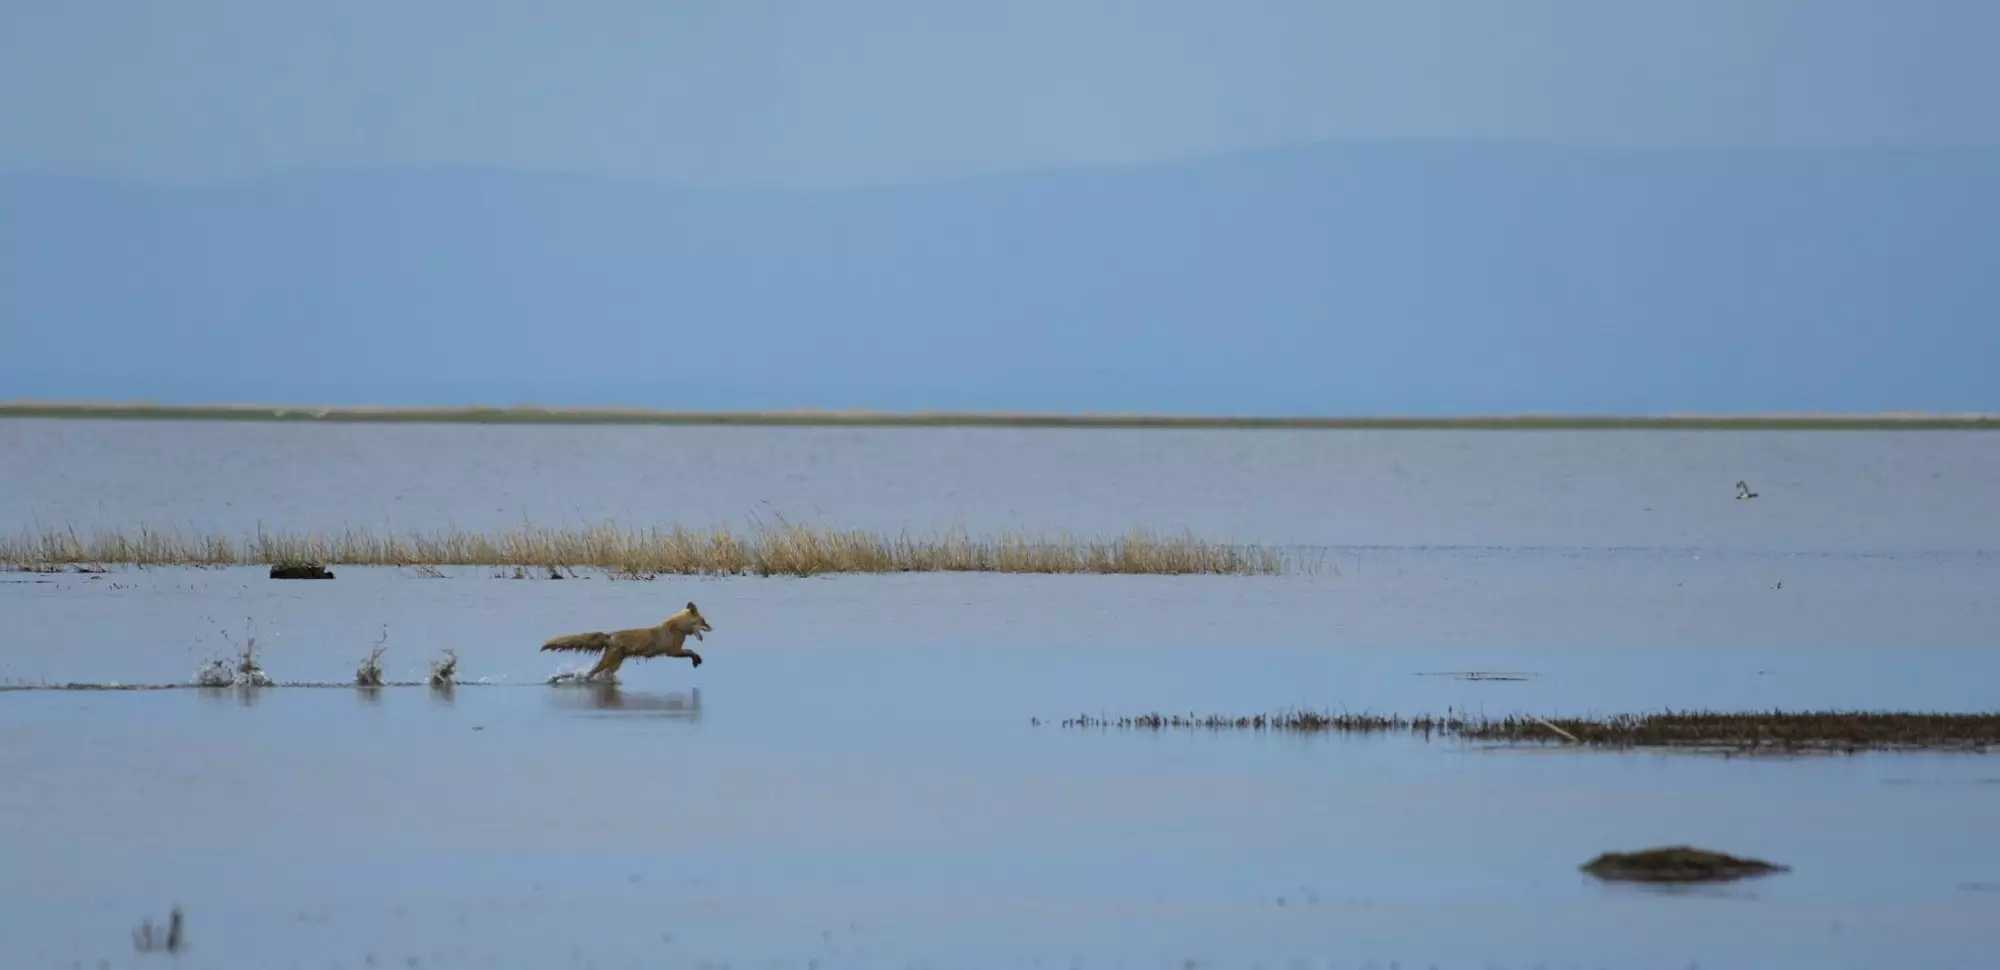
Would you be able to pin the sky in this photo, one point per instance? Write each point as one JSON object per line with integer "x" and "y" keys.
{"x": 756, "y": 93}
{"x": 545, "y": 187}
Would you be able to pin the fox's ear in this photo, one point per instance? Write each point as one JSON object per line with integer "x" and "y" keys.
{"x": 691, "y": 608}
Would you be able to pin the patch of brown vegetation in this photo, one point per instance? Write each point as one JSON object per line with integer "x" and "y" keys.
{"x": 1677, "y": 863}
{"x": 786, "y": 549}
{"x": 300, "y": 570}
{"x": 1771, "y": 731}
{"x": 1767, "y": 730}
{"x": 478, "y": 414}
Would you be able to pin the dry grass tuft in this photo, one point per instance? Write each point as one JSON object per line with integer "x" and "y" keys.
{"x": 783, "y": 550}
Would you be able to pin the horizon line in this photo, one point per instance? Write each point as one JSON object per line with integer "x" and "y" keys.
{"x": 1050, "y": 168}
{"x": 863, "y": 417}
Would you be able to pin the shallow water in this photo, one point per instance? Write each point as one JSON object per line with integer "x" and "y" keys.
{"x": 1820, "y": 491}
{"x": 858, "y": 750}
{"x": 853, "y": 778}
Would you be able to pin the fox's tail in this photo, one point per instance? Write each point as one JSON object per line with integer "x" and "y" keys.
{"x": 580, "y": 643}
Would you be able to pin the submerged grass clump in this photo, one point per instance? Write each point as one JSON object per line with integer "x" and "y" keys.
{"x": 150, "y": 939}
{"x": 1779, "y": 731}
{"x": 784, "y": 550}
{"x": 1303, "y": 722}
{"x": 1857, "y": 730}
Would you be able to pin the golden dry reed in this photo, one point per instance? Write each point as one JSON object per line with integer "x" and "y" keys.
{"x": 784, "y": 550}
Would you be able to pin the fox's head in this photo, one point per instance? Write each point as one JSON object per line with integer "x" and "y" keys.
{"x": 696, "y": 622}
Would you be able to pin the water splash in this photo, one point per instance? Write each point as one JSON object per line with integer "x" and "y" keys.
{"x": 579, "y": 675}
{"x": 369, "y": 673}
{"x": 247, "y": 672}
{"x": 442, "y": 671}
{"x": 215, "y": 674}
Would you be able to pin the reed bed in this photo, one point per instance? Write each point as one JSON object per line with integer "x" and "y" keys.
{"x": 126, "y": 411}
{"x": 784, "y": 550}
{"x": 1751, "y": 731}
{"x": 1858, "y": 730}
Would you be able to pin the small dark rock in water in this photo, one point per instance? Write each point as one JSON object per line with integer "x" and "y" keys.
{"x": 1677, "y": 863}
{"x": 300, "y": 570}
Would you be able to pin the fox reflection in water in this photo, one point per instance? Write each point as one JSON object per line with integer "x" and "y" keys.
{"x": 611, "y": 697}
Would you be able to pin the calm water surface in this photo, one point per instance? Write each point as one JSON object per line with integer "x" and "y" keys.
{"x": 1845, "y": 492}
{"x": 853, "y": 778}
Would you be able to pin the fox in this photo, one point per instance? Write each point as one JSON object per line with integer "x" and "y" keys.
{"x": 665, "y": 640}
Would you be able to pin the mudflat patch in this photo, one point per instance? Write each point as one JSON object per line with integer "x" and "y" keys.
{"x": 1678, "y": 863}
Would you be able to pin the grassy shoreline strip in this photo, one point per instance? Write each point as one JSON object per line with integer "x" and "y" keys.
{"x": 1780, "y": 731}
{"x": 787, "y": 550}
{"x": 865, "y": 419}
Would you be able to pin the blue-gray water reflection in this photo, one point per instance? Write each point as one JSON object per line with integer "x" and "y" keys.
{"x": 853, "y": 778}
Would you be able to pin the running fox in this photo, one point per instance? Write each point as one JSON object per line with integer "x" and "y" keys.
{"x": 664, "y": 640}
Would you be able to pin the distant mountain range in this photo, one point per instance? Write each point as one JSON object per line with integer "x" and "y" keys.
{"x": 1355, "y": 279}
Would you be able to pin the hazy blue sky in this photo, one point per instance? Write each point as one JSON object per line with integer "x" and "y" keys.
{"x": 750, "y": 92}
{"x": 1339, "y": 277}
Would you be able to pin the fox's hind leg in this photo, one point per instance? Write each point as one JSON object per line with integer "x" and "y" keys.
{"x": 608, "y": 664}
